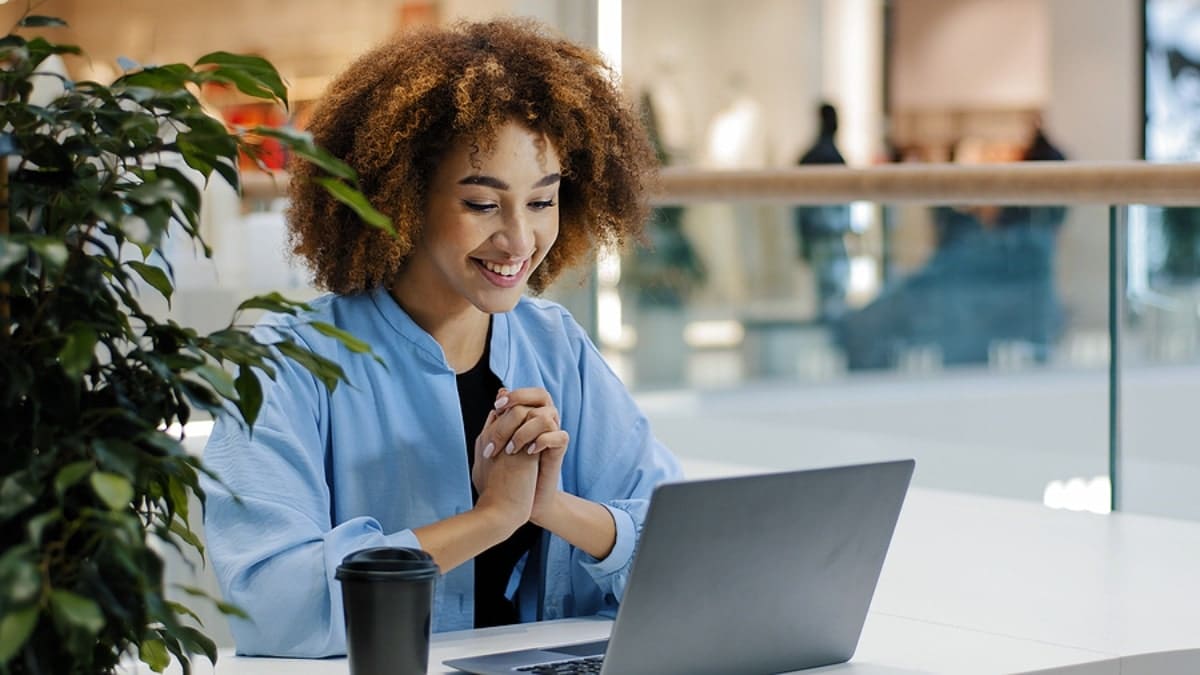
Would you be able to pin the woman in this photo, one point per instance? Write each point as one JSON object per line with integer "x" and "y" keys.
{"x": 495, "y": 437}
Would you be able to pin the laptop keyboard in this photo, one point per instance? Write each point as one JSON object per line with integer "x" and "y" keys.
{"x": 585, "y": 666}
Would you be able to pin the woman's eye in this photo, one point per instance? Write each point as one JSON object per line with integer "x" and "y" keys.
{"x": 482, "y": 207}
{"x": 542, "y": 205}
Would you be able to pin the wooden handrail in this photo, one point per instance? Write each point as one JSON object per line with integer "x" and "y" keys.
{"x": 1020, "y": 183}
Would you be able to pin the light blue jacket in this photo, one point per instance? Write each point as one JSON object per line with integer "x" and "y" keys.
{"x": 322, "y": 476}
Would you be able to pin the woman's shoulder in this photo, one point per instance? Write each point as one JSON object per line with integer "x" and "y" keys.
{"x": 296, "y": 317}
{"x": 545, "y": 317}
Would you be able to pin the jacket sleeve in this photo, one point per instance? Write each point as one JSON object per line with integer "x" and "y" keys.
{"x": 268, "y": 522}
{"x": 618, "y": 464}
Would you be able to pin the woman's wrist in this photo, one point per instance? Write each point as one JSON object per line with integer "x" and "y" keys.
{"x": 499, "y": 516}
{"x": 544, "y": 510}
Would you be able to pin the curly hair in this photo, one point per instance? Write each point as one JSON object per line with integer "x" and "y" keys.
{"x": 397, "y": 110}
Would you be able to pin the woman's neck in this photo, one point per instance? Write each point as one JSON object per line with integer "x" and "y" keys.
{"x": 461, "y": 332}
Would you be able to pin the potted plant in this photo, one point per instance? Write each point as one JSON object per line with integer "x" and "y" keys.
{"x": 92, "y": 184}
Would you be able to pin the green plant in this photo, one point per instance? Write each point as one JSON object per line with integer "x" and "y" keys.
{"x": 92, "y": 184}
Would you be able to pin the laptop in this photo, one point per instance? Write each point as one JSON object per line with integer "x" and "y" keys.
{"x": 765, "y": 573}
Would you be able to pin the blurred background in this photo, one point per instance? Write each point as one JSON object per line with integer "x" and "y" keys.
{"x": 978, "y": 338}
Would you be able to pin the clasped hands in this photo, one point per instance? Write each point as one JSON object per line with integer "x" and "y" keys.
{"x": 518, "y": 457}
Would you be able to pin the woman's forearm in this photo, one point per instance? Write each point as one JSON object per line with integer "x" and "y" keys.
{"x": 459, "y": 538}
{"x": 586, "y": 525}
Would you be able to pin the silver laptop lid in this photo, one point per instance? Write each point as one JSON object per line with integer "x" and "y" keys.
{"x": 757, "y": 574}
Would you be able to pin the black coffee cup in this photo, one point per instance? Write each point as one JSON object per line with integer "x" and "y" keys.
{"x": 387, "y": 597}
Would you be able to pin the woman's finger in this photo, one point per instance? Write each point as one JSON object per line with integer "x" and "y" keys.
{"x": 488, "y": 447}
{"x": 527, "y": 396}
{"x": 551, "y": 440}
{"x": 499, "y": 434}
{"x": 537, "y": 422}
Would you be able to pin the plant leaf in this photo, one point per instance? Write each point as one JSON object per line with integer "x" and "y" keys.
{"x": 70, "y": 475}
{"x": 152, "y": 81}
{"x": 219, "y": 379}
{"x": 77, "y": 610}
{"x": 183, "y": 610}
{"x": 179, "y": 497}
{"x": 38, "y": 21}
{"x": 194, "y": 639}
{"x": 11, "y": 253}
{"x": 252, "y": 75}
{"x": 250, "y": 395}
{"x": 274, "y": 302}
{"x": 22, "y": 581}
{"x": 302, "y": 144}
{"x": 153, "y": 653}
{"x": 181, "y": 530}
{"x": 357, "y": 203}
{"x": 159, "y": 189}
{"x": 155, "y": 276}
{"x": 189, "y": 193}
{"x": 40, "y": 48}
{"x": 205, "y": 154}
{"x": 328, "y": 372}
{"x": 14, "y": 496}
{"x": 15, "y": 629}
{"x": 193, "y": 591}
{"x": 37, "y": 524}
{"x": 230, "y": 610}
{"x": 76, "y": 355}
{"x": 113, "y": 489}
{"x": 51, "y": 251}
{"x": 352, "y": 343}
{"x": 168, "y": 445}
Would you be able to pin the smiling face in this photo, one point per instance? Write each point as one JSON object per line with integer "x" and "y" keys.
{"x": 490, "y": 219}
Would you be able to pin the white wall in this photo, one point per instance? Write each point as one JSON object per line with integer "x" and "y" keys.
{"x": 774, "y": 45}
{"x": 1095, "y": 84}
{"x": 969, "y": 54}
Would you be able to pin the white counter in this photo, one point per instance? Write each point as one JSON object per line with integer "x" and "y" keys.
{"x": 972, "y": 584}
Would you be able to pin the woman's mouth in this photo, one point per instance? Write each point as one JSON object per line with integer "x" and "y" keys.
{"x": 504, "y": 275}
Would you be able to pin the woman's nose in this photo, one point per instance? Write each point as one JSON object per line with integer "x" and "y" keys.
{"x": 516, "y": 237}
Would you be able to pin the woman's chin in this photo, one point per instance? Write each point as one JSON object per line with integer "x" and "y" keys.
{"x": 499, "y": 303}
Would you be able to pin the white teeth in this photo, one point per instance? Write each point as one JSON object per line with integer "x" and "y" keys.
{"x": 504, "y": 270}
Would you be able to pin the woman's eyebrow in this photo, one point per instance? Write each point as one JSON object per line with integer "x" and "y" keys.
{"x": 486, "y": 181}
{"x": 493, "y": 182}
{"x": 550, "y": 179}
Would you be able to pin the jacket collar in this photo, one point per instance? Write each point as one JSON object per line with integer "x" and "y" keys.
{"x": 428, "y": 348}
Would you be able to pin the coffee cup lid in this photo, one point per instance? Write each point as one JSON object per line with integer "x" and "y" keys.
{"x": 387, "y": 563}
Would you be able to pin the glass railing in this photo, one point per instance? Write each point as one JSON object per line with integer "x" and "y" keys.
{"x": 1157, "y": 374}
{"x": 972, "y": 338}
{"x": 949, "y": 321}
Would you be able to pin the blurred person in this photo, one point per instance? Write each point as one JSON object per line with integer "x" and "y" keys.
{"x": 991, "y": 279}
{"x": 821, "y": 230}
{"x": 495, "y": 437}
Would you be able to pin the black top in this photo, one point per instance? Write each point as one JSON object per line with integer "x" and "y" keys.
{"x": 476, "y": 394}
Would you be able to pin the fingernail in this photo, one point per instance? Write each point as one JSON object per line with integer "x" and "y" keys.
{"x": 510, "y": 448}
{"x": 489, "y": 449}
{"x": 500, "y": 402}
{"x": 532, "y": 448}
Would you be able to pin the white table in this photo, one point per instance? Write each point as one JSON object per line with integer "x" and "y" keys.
{"x": 972, "y": 584}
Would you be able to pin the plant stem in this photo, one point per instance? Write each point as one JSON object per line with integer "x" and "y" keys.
{"x": 5, "y": 309}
